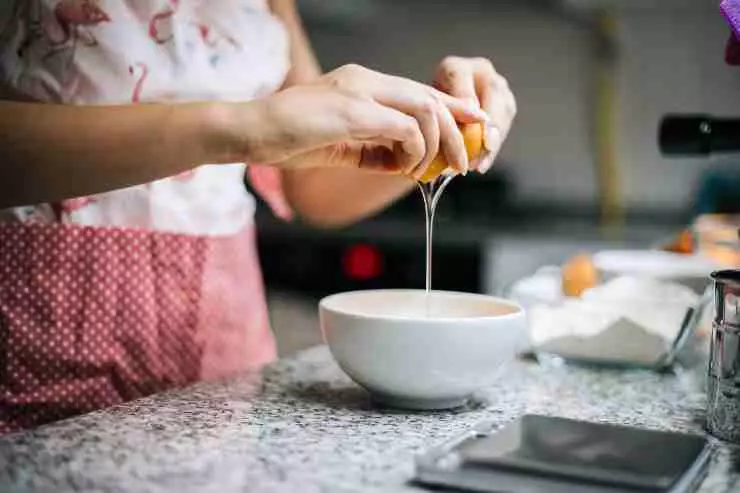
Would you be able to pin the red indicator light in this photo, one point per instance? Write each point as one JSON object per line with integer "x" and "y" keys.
{"x": 362, "y": 262}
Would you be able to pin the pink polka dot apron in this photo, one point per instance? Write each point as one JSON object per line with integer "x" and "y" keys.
{"x": 118, "y": 295}
{"x": 91, "y": 317}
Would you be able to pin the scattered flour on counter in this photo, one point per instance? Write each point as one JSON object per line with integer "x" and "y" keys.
{"x": 628, "y": 319}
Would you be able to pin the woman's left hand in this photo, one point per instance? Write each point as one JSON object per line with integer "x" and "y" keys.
{"x": 476, "y": 79}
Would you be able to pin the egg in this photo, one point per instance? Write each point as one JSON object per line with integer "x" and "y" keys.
{"x": 578, "y": 275}
{"x": 472, "y": 135}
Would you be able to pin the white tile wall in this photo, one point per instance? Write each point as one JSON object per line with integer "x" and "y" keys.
{"x": 670, "y": 60}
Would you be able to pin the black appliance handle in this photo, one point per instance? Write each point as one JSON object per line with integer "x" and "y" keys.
{"x": 698, "y": 135}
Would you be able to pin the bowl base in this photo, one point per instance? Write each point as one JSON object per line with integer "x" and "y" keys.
{"x": 419, "y": 404}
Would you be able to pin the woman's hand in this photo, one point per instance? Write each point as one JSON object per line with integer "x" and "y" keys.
{"x": 476, "y": 80}
{"x": 354, "y": 117}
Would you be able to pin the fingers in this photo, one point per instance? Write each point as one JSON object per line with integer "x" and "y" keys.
{"x": 462, "y": 110}
{"x": 453, "y": 145}
{"x": 426, "y": 114}
{"x": 371, "y": 122}
{"x": 455, "y": 77}
{"x": 435, "y": 113}
{"x": 476, "y": 78}
{"x": 499, "y": 102}
{"x": 496, "y": 99}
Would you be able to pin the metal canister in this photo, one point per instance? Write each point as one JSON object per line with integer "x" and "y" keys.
{"x": 723, "y": 407}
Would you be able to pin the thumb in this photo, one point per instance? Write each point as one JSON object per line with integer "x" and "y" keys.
{"x": 380, "y": 158}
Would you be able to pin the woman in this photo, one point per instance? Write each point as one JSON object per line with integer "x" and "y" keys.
{"x": 135, "y": 270}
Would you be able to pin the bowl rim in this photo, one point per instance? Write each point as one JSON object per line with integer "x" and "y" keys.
{"x": 518, "y": 309}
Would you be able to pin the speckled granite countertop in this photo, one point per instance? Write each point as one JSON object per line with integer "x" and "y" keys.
{"x": 305, "y": 427}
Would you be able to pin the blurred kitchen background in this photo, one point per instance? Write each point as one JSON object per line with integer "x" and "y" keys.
{"x": 581, "y": 170}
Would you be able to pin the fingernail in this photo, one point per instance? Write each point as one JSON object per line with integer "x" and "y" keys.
{"x": 478, "y": 114}
{"x": 409, "y": 170}
{"x": 486, "y": 164}
{"x": 492, "y": 139}
{"x": 464, "y": 165}
{"x": 464, "y": 168}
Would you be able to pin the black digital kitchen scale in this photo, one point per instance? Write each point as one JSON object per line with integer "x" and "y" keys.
{"x": 539, "y": 454}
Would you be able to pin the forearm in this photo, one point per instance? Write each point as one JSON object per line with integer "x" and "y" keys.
{"x": 329, "y": 197}
{"x": 50, "y": 152}
{"x": 336, "y": 197}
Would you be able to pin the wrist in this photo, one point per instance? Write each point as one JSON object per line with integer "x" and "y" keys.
{"x": 230, "y": 131}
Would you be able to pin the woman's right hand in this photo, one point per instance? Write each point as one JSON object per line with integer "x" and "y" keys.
{"x": 354, "y": 117}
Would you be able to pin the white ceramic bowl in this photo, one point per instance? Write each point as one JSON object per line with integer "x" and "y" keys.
{"x": 387, "y": 342}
